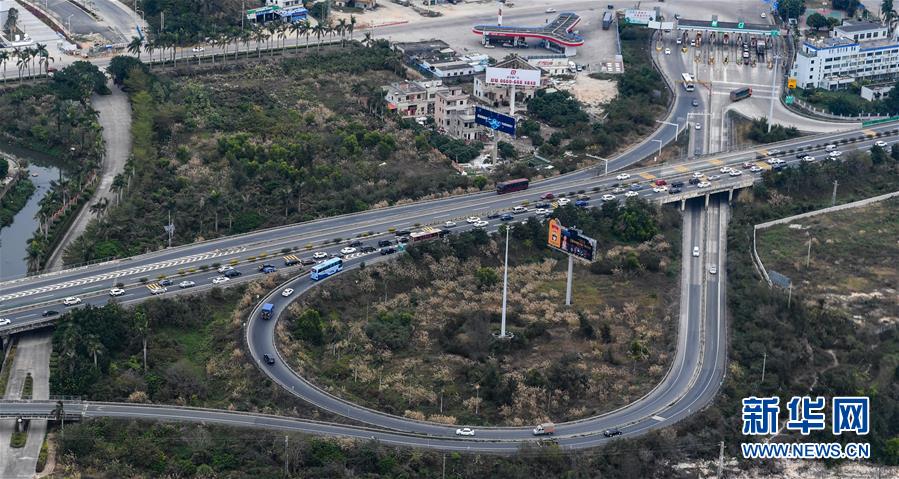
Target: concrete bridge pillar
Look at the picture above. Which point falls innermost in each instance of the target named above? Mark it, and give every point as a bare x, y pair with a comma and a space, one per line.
706, 200
730, 196
683, 204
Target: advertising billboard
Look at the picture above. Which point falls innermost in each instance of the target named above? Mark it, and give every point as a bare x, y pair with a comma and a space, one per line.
639, 17
570, 241
495, 121
513, 76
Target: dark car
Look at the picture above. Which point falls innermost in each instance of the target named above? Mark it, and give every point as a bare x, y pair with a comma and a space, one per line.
308, 261
695, 102
674, 191
268, 359
677, 184
493, 216
368, 249
779, 166
694, 181
611, 432
49, 312
231, 273
581, 203
166, 282
547, 196
506, 217
355, 244
636, 187
403, 233
404, 239
383, 243
267, 268
388, 250
541, 205
801, 155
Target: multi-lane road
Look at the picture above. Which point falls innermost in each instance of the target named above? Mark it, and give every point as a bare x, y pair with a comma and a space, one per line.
692, 381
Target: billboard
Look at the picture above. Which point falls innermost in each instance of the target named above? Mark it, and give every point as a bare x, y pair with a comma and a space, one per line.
513, 76
570, 241
493, 120
639, 17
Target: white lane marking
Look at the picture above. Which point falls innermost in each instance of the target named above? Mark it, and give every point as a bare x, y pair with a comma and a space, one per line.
658, 418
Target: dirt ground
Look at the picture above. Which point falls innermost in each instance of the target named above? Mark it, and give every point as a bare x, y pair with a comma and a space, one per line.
592, 93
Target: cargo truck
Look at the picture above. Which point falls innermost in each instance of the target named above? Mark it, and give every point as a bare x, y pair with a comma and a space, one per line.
545, 429
606, 20
267, 311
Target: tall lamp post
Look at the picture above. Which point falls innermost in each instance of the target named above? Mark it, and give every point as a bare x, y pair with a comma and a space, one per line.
503, 334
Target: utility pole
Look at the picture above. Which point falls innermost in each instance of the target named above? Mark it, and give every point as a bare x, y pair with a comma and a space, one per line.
764, 361
833, 199
774, 94
161, 22
502, 328
286, 440
443, 474
721, 460
808, 255
790, 295
170, 229
568, 286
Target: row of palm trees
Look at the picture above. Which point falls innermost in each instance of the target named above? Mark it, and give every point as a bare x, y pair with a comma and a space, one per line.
168, 43
25, 58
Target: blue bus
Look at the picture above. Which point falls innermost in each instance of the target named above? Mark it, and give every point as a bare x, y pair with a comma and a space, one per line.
327, 268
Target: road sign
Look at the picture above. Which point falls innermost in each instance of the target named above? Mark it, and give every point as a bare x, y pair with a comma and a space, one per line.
791, 83
789, 99
570, 241
495, 121
513, 77
775, 33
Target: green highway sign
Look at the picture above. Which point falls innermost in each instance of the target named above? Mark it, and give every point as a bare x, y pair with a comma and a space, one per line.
789, 99
775, 33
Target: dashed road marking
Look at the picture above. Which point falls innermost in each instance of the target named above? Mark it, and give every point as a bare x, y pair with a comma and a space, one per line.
716, 162
681, 168
763, 165
648, 176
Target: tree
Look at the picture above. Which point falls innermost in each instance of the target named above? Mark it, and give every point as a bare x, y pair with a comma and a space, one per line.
134, 46
887, 12
790, 9
59, 413
4, 168
12, 17
486, 278
848, 6
142, 326
308, 327
817, 21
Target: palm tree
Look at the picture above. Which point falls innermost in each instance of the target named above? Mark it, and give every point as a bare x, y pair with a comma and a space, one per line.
887, 11
308, 31
118, 186
352, 26
134, 46
366, 40
44, 56
245, 37
272, 28
4, 57
318, 30
259, 36
214, 201
94, 347
149, 46
341, 30
282, 34
142, 325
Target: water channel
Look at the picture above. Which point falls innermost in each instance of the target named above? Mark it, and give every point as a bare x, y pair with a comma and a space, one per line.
14, 238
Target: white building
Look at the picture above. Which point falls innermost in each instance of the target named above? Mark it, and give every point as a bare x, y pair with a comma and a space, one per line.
855, 51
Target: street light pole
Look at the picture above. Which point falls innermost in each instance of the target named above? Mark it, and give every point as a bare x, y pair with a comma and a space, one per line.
602, 159
502, 329
660, 148
774, 94
675, 125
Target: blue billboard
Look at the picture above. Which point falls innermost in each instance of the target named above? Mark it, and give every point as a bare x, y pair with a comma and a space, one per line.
495, 121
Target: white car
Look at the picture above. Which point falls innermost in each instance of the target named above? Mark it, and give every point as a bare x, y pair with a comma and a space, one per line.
320, 255
4, 321
835, 154
449, 224
71, 301
465, 431
774, 161
623, 176
880, 143
713, 269
725, 169
197, 49
808, 159
222, 269
116, 292
667, 51
608, 197
698, 174
550, 10
519, 209
540, 211
696, 251
472, 219
481, 224
735, 173
764, 15
698, 125
287, 292
660, 189
563, 201
220, 279
158, 290
714, 177
703, 184
186, 284
348, 250
618, 190
755, 169
631, 194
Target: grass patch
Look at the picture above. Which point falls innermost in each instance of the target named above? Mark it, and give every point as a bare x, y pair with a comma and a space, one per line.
7, 367
18, 439
14, 200
28, 387
42, 456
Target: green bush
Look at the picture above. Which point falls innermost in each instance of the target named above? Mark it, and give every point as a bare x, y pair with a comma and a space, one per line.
390, 330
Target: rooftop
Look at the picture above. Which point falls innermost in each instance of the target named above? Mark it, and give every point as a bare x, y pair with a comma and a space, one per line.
407, 87
859, 27
559, 30
724, 26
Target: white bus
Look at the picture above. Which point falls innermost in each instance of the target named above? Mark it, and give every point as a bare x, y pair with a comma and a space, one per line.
688, 81
327, 268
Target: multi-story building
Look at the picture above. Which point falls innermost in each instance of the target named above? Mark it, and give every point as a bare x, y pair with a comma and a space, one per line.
855, 51
413, 98
498, 95
454, 114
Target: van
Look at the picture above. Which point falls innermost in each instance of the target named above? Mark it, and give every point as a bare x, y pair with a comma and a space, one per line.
830, 147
